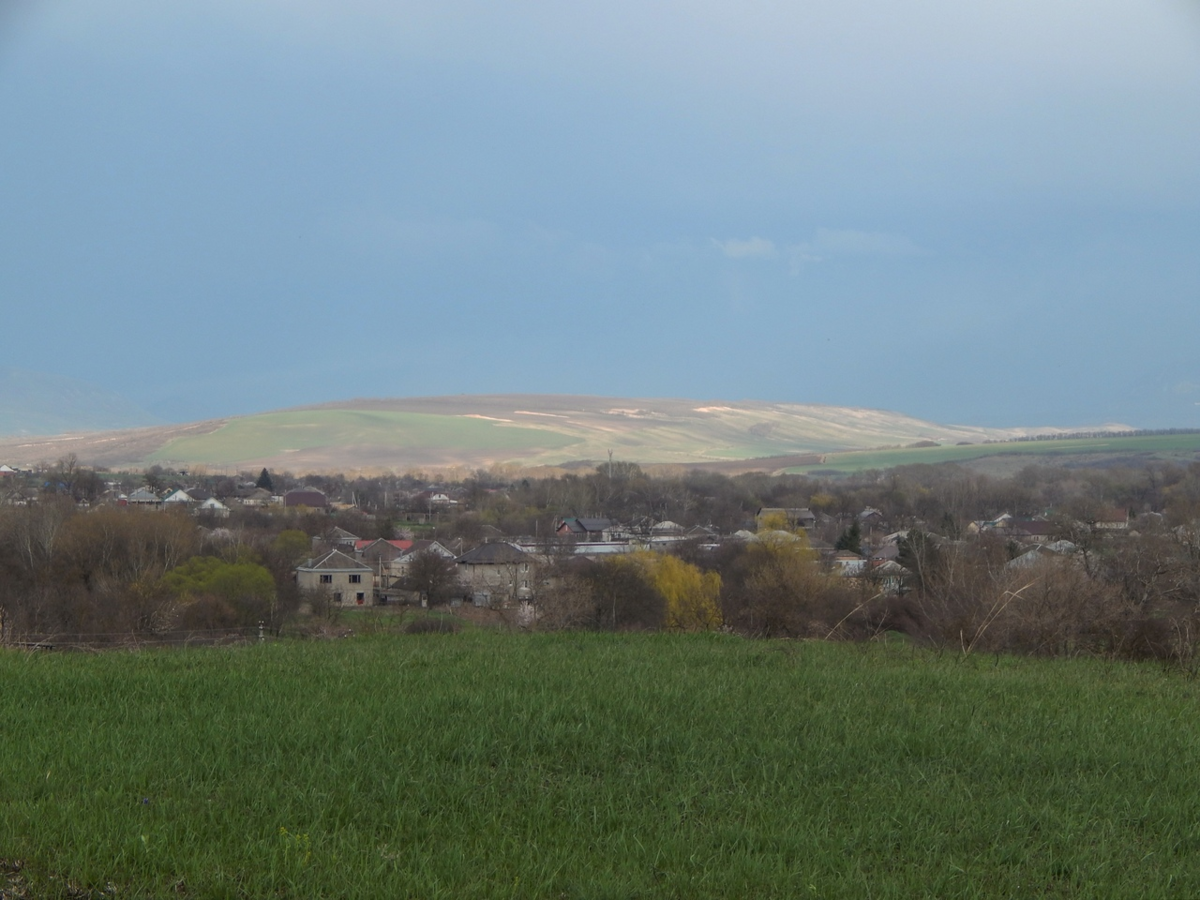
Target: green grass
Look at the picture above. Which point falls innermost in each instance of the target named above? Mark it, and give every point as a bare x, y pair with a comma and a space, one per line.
255, 437
590, 766
857, 461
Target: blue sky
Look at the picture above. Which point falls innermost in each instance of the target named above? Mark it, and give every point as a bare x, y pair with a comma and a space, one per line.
987, 216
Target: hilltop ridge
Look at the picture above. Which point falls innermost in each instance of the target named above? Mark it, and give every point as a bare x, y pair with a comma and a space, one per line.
521, 429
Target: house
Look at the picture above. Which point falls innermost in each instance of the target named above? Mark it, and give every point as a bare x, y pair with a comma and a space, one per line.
846, 562
869, 516
379, 554
213, 507
347, 581
144, 498
433, 500
590, 529
495, 574
889, 575
370, 551
7, 471
399, 566
306, 497
1111, 520
178, 498
339, 537
390, 584
1032, 531
18, 497
258, 497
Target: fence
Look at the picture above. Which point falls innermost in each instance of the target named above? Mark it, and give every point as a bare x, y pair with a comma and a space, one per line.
130, 640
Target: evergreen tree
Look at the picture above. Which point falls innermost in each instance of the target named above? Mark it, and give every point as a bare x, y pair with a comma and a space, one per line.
264, 481
850, 539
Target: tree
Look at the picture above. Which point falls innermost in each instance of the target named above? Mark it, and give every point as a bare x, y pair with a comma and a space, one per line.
625, 596
850, 539
432, 577
691, 596
264, 481
777, 587
292, 545
245, 590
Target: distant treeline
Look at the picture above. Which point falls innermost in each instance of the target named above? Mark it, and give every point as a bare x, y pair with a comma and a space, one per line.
1087, 435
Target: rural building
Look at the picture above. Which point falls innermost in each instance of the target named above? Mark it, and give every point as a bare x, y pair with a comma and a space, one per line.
347, 581
305, 497
590, 529
497, 573
214, 507
144, 498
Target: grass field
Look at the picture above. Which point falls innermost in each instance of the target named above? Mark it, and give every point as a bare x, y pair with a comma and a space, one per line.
1167, 446
272, 434
595, 766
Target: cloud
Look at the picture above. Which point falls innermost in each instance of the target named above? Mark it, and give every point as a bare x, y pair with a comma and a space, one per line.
748, 248
837, 242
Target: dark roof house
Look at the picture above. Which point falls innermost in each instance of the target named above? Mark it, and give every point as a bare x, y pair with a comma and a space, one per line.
313, 499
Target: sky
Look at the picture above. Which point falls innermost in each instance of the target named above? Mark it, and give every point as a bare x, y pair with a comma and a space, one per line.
983, 214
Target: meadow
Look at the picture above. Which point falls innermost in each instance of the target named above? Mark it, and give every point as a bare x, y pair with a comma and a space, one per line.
482, 764
271, 435
1158, 446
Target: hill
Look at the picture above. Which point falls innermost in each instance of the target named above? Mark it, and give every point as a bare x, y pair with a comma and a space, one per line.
522, 429
34, 403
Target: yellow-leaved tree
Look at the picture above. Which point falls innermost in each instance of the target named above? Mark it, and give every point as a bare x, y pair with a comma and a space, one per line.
692, 597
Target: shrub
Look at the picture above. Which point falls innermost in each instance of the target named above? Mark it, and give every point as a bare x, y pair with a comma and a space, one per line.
433, 625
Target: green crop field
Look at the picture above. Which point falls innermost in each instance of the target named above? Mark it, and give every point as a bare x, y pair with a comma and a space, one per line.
1166, 446
273, 434
585, 766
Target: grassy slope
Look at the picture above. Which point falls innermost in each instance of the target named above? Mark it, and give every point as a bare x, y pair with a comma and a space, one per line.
545, 429
482, 765
1182, 445
272, 434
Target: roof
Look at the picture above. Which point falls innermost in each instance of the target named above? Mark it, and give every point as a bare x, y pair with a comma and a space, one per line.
423, 546
381, 549
1034, 526
335, 560
578, 525
497, 553
305, 498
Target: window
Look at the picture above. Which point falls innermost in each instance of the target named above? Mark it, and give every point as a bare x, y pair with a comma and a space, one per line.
356, 579
359, 598
326, 579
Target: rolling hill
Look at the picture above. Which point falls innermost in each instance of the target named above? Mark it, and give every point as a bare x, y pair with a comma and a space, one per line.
523, 429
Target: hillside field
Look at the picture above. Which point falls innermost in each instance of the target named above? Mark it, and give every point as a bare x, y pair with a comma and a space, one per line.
524, 430
1114, 449
486, 764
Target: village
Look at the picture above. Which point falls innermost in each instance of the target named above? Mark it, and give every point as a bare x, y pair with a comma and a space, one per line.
419, 544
